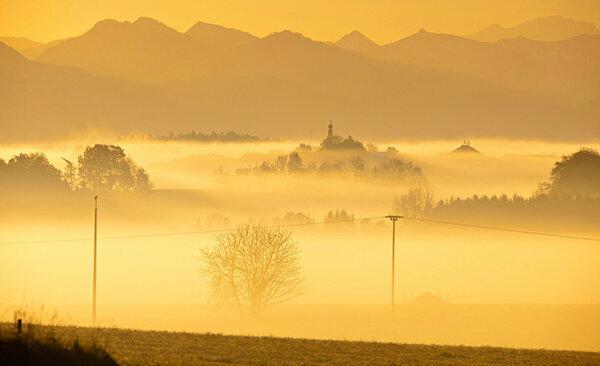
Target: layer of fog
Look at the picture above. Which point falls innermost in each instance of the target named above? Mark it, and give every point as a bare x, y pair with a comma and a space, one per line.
343, 264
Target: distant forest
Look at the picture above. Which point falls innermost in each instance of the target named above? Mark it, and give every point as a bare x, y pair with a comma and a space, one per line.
367, 165
570, 197
194, 136
342, 157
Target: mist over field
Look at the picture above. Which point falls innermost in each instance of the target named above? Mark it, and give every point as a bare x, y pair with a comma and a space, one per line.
198, 187
422, 186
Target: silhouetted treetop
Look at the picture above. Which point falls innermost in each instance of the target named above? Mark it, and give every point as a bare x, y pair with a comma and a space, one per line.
107, 168
30, 171
194, 136
576, 174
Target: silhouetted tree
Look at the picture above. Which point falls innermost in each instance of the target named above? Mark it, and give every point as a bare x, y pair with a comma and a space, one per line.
338, 215
416, 202
294, 163
576, 174
107, 168
294, 218
254, 267
280, 163
397, 169
27, 171
357, 164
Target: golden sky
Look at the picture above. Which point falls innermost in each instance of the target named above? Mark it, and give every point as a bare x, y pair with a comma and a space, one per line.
383, 20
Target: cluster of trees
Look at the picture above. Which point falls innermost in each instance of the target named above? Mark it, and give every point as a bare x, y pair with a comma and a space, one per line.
573, 190
294, 218
193, 136
336, 142
577, 174
100, 168
338, 215
393, 168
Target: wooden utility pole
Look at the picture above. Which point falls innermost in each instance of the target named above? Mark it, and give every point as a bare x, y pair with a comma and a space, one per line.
95, 259
393, 218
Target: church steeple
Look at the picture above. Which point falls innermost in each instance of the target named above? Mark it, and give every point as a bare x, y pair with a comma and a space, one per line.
330, 131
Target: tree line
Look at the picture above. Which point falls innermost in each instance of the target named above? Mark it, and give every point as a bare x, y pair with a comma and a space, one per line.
101, 168
392, 168
572, 191
195, 136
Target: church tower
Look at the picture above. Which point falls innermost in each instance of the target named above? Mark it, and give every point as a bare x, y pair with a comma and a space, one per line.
330, 131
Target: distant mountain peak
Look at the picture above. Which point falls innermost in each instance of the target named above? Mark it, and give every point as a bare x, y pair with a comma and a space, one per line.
204, 28
357, 42
151, 23
201, 26
215, 34
106, 23
141, 22
287, 35
146, 20
356, 36
548, 28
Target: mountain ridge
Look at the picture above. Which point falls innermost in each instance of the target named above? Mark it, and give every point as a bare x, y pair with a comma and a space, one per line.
123, 78
550, 28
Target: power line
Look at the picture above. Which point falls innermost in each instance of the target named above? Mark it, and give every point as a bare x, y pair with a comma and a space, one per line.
183, 233
503, 229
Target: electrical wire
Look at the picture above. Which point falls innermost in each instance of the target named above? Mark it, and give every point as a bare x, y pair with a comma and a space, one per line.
218, 231
540, 233
181, 233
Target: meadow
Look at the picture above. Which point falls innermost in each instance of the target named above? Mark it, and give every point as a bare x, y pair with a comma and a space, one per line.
135, 347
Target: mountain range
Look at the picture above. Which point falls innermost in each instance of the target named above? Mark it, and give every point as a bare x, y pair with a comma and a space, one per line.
552, 28
145, 77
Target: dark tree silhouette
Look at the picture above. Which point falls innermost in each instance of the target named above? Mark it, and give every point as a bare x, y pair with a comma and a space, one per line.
357, 164
294, 163
398, 169
107, 168
30, 171
416, 202
294, 218
576, 174
253, 267
338, 215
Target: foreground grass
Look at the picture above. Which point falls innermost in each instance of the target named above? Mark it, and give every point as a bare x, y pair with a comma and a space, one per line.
46, 349
135, 347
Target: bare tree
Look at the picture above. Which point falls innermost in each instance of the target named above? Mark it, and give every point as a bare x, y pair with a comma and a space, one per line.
417, 202
253, 267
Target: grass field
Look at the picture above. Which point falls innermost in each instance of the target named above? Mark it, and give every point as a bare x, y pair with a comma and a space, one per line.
135, 347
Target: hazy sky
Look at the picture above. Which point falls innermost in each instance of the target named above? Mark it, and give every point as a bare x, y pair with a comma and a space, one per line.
383, 20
